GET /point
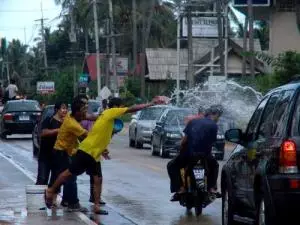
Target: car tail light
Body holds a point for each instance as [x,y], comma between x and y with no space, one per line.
[288,157]
[8,116]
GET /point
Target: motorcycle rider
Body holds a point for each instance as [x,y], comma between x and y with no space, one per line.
[200,134]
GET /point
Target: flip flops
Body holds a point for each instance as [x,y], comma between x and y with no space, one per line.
[101,212]
[48,202]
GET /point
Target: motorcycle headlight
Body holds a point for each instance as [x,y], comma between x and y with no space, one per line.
[173,135]
[220,136]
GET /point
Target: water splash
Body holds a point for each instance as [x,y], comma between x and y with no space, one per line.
[239,101]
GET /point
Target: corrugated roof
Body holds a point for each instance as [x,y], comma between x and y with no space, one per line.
[162,62]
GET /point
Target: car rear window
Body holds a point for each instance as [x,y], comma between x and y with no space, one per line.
[151,113]
[18,106]
[176,117]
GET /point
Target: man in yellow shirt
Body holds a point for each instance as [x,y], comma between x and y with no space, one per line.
[92,147]
[66,144]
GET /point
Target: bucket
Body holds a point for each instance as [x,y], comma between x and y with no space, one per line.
[35,197]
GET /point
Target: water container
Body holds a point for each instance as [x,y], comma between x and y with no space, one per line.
[35,197]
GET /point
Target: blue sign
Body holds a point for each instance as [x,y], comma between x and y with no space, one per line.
[83,80]
[239,3]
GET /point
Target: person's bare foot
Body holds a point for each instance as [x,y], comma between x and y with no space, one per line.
[48,197]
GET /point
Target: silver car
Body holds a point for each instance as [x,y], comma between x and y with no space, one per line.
[142,124]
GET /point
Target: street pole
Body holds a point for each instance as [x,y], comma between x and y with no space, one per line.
[226,42]
[251,37]
[107,53]
[178,55]
[113,50]
[134,35]
[97,47]
[44,41]
[190,48]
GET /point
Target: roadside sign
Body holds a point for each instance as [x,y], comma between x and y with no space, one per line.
[45,87]
[83,80]
[105,93]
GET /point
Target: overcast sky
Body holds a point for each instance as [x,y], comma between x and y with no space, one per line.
[15,15]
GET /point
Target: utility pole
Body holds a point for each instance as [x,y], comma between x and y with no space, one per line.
[113,50]
[220,35]
[190,47]
[251,37]
[178,54]
[97,47]
[226,41]
[134,34]
[44,40]
[107,33]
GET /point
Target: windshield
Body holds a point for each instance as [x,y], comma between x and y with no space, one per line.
[151,113]
[18,106]
[176,117]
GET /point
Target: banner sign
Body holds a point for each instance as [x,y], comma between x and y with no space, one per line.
[201,27]
[45,87]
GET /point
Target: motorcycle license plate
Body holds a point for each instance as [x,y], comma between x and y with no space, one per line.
[199,173]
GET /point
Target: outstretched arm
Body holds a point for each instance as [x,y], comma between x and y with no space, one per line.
[139,107]
[155,101]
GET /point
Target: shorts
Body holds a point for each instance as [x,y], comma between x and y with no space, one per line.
[82,162]
[99,170]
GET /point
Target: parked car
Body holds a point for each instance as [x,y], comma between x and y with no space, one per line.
[19,117]
[260,182]
[93,107]
[167,133]
[142,124]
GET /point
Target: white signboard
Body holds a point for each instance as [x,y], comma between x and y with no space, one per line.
[202,27]
[45,87]
[121,65]
[105,93]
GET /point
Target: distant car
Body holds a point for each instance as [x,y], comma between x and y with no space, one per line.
[19,117]
[167,133]
[93,107]
[142,124]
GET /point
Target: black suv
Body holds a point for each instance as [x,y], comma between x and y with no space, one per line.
[260,182]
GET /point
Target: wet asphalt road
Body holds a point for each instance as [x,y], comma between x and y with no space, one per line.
[136,184]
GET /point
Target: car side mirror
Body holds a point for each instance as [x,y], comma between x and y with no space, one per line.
[234,135]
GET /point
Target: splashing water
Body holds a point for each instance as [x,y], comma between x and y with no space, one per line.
[239,101]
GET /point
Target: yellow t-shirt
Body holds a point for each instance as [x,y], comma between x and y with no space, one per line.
[68,134]
[100,135]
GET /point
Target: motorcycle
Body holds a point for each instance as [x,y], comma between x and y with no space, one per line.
[194,178]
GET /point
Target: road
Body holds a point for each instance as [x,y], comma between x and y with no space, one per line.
[136,184]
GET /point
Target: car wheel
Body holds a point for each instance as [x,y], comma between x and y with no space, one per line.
[137,144]
[35,150]
[3,135]
[131,143]
[153,152]
[162,152]
[227,213]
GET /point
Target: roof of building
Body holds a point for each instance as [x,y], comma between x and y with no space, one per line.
[162,62]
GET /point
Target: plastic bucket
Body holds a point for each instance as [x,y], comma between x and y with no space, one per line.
[35,197]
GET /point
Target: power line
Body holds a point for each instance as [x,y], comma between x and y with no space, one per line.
[26,11]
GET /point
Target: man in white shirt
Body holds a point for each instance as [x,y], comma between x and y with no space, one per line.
[12,90]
